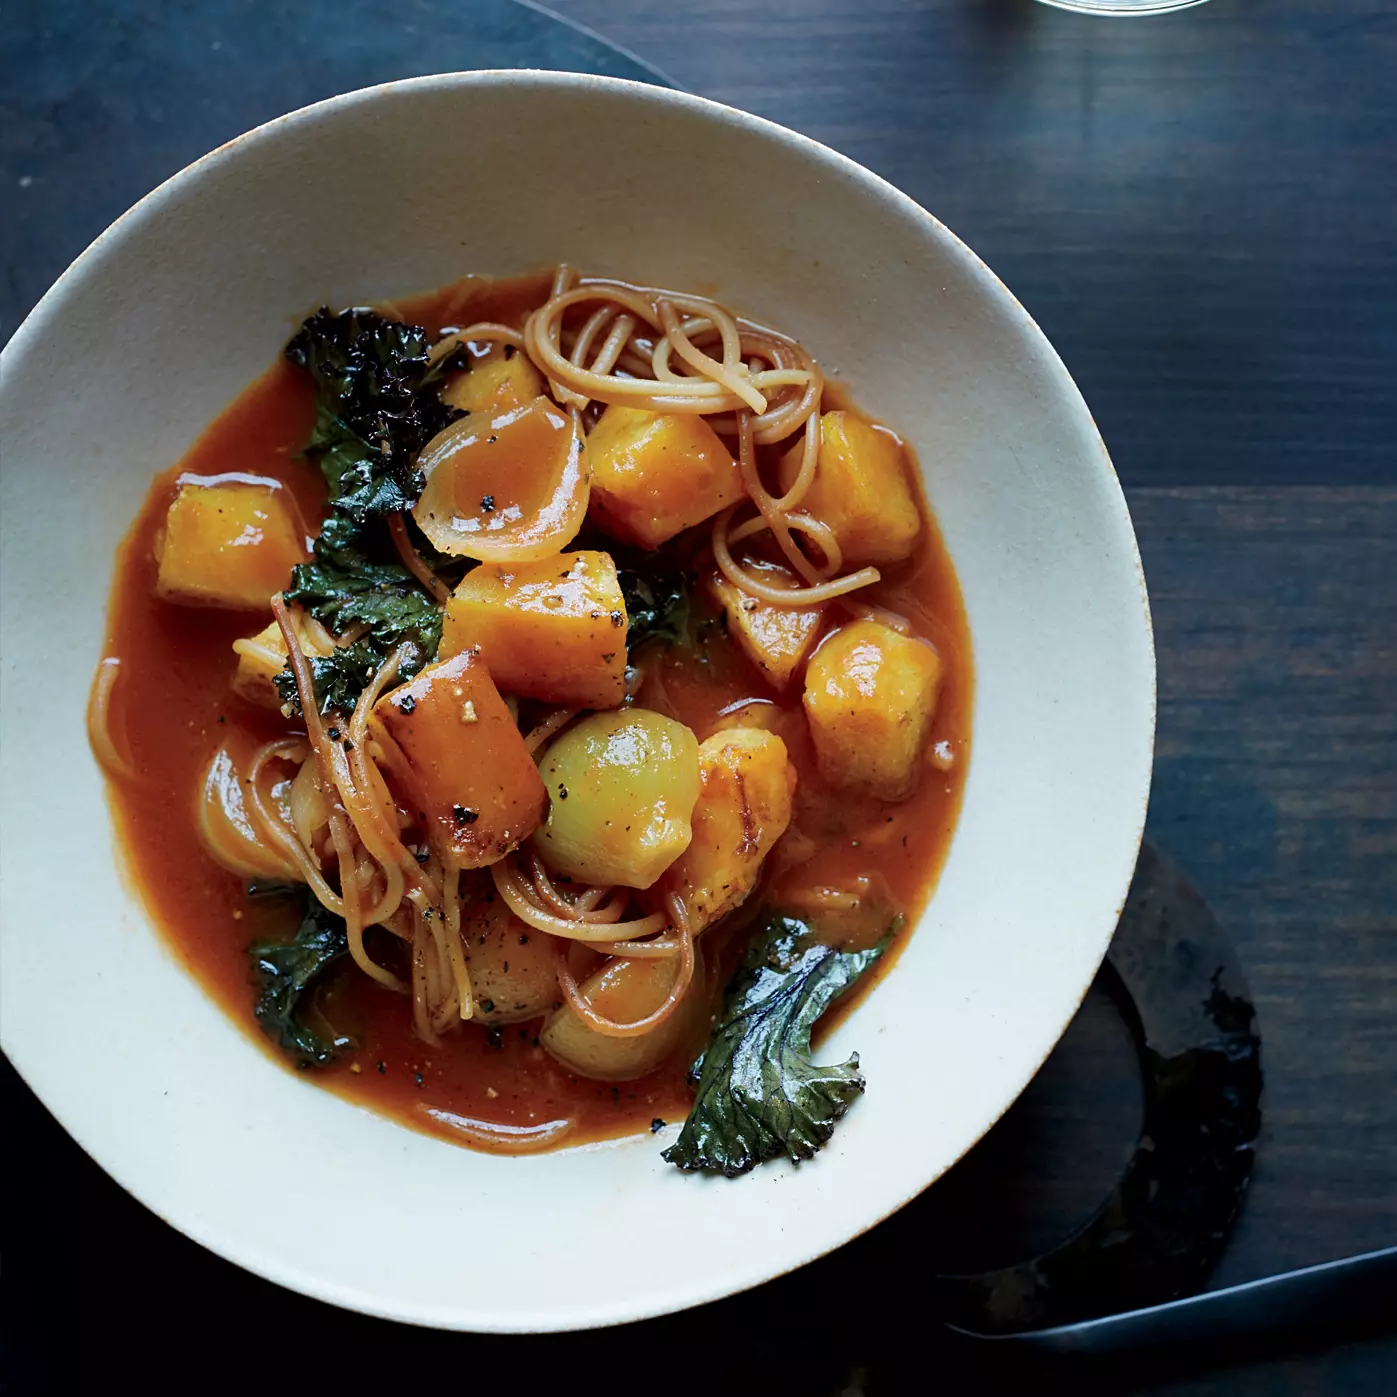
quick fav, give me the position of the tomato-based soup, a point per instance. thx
(860, 860)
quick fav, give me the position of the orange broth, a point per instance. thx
(173, 708)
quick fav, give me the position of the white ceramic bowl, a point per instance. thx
(402, 188)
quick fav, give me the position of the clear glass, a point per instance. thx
(1123, 7)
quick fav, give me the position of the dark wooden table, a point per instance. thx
(1201, 212)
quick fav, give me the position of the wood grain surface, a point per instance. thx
(1201, 211)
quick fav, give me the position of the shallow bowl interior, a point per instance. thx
(399, 189)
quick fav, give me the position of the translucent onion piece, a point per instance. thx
(512, 487)
(227, 832)
(310, 810)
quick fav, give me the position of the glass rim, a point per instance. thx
(1122, 7)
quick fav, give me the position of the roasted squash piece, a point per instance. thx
(498, 384)
(777, 639)
(656, 474)
(228, 541)
(621, 790)
(262, 657)
(744, 806)
(553, 630)
(870, 697)
(507, 487)
(470, 776)
(861, 490)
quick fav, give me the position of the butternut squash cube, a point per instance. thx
(228, 542)
(656, 474)
(553, 630)
(870, 697)
(744, 806)
(861, 490)
(469, 774)
(777, 639)
(262, 657)
(497, 384)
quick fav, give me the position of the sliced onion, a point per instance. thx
(227, 832)
(505, 487)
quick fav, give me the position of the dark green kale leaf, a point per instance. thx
(759, 1095)
(340, 677)
(286, 972)
(657, 604)
(376, 407)
(383, 597)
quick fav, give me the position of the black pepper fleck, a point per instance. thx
(488, 1005)
(382, 1069)
(417, 1077)
(462, 816)
(562, 792)
(487, 503)
(523, 940)
(656, 1126)
(493, 440)
(333, 734)
(494, 1036)
(618, 619)
(408, 703)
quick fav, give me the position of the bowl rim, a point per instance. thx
(222, 1241)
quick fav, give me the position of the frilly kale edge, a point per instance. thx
(285, 973)
(376, 406)
(759, 1093)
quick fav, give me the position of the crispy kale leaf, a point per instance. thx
(759, 1094)
(657, 604)
(375, 408)
(340, 677)
(285, 972)
(382, 596)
